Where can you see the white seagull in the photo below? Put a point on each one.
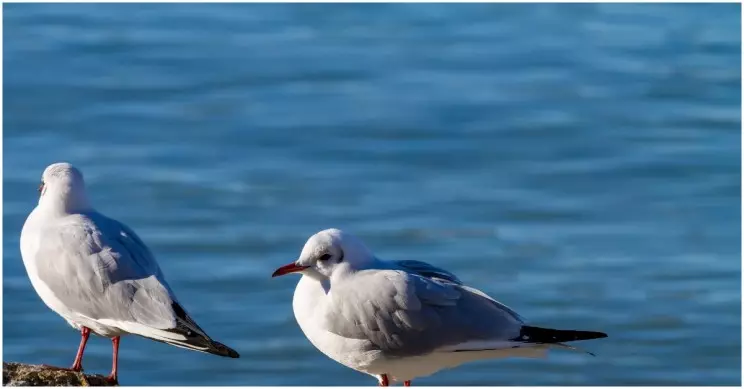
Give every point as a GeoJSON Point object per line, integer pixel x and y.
{"type": "Point", "coordinates": [399, 320]}
{"type": "Point", "coordinates": [98, 275]}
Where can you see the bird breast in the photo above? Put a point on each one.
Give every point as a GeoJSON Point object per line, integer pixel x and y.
{"type": "Point", "coordinates": [309, 307]}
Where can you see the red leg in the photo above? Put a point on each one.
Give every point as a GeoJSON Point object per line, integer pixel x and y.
{"type": "Point", "coordinates": [384, 380]}
{"type": "Point", "coordinates": [78, 364]}
{"type": "Point", "coordinates": [114, 377]}
{"type": "Point", "coordinates": [407, 383]}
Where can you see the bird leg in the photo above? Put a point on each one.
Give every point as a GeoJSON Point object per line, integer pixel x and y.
{"type": "Point", "coordinates": [113, 377]}
{"type": "Point", "coordinates": [384, 380]}
{"type": "Point", "coordinates": [78, 364]}
{"type": "Point", "coordinates": [407, 383]}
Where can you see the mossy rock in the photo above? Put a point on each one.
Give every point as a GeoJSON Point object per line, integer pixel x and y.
{"type": "Point", "coordinates": [21, 374]}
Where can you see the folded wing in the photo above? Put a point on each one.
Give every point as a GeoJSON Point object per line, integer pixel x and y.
{"type": "Point", "coordinates": [99, 268]}
{"type": "Point", "coordinates": [407, 314]}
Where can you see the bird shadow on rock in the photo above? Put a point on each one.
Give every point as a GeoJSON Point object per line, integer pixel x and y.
{"type": "Point", "coordinates": [21, 374]}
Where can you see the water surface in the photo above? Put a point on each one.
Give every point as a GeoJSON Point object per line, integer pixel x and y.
{"type": "Point", "coordinates": [581, 163]}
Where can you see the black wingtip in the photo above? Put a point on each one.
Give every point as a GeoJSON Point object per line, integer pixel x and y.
{"type": "Point", "coordinates": [223, 351]}
{"type": "Point", "coordinates": [532, 334]}
{"type": "Point", "coordinates": [199, 340]}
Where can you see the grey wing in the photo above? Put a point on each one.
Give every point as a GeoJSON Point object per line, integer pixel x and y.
{"type": "Point", "coordinates": [144, 264]}
{"type": "Point", "coordinates": [101, 269]}
{"type": "Point", "coordinates": [404, 314]}
{"type": "Point", "coordinates": [125, 239]}
{"type": "Point", "coordinates": [427, 270]}
{"type": "Point", "coordinates": [96, 271]}
{"type": "Point", "coordinates": [499, 305]}
{"type": "Point", "coordinates": [430, 271]}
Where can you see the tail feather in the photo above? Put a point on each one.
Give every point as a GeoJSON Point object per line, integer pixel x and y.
{"type": "Point", "coordinates": [200, 344]}
{"type": "Point", "coordinates": [189, 335]}
{"type": "Point", "coordinates": [197, 342]}
{"type": "Point", "coordinates": [530, 334]}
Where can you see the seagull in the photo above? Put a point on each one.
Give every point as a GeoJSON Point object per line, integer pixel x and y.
{"type": "Point", "coordinates": [98, 275]}
{"type": "Point", "coordinates": [400, 320]}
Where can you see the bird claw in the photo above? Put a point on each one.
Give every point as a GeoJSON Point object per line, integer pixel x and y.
{"type": "Point", "coordinates": [78, 369]}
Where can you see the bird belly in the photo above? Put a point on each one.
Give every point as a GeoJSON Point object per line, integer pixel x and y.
{"type": "Point", "coordinates": [49, 299]}
{"type": "Point", "coordinates": [29, 248]}
{"type": "Point", "coordinates": [409, 368]}
{"type": "Point", "coordinates": [74, 319]}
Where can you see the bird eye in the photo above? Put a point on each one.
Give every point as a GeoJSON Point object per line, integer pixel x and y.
{"type": "Point", "coordinates": [41, 186]}
{"type": "Point", "coordinates": [325, 257]}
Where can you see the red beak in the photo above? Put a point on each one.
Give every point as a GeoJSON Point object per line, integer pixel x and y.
{"type": "Point", "coordinates": [290, 268]}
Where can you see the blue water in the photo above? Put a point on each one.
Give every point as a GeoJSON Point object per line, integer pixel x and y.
{"type": "Point", "coordinates": [581, 163]}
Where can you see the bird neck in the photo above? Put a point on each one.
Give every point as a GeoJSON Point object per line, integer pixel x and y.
{"type": "Point", "coordinates": [346, 269]}
{"type": "Point", "coordinates": [64, 200]}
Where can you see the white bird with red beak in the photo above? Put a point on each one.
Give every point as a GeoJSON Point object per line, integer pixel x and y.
{"type": "Point", "coordinates": [98, 275]}
{"type": "Point", "coordinates": [399, 320]}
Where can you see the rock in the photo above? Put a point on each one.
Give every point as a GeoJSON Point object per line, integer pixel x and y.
{"type": "Point", "coordinates": [21, 374]}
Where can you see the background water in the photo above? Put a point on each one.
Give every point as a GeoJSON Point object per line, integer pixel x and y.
{"type": "Point", "coordinates": [580, 163]}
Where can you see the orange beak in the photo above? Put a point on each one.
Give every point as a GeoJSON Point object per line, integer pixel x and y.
{"type": "Point", "coordinates": [289, 268]}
